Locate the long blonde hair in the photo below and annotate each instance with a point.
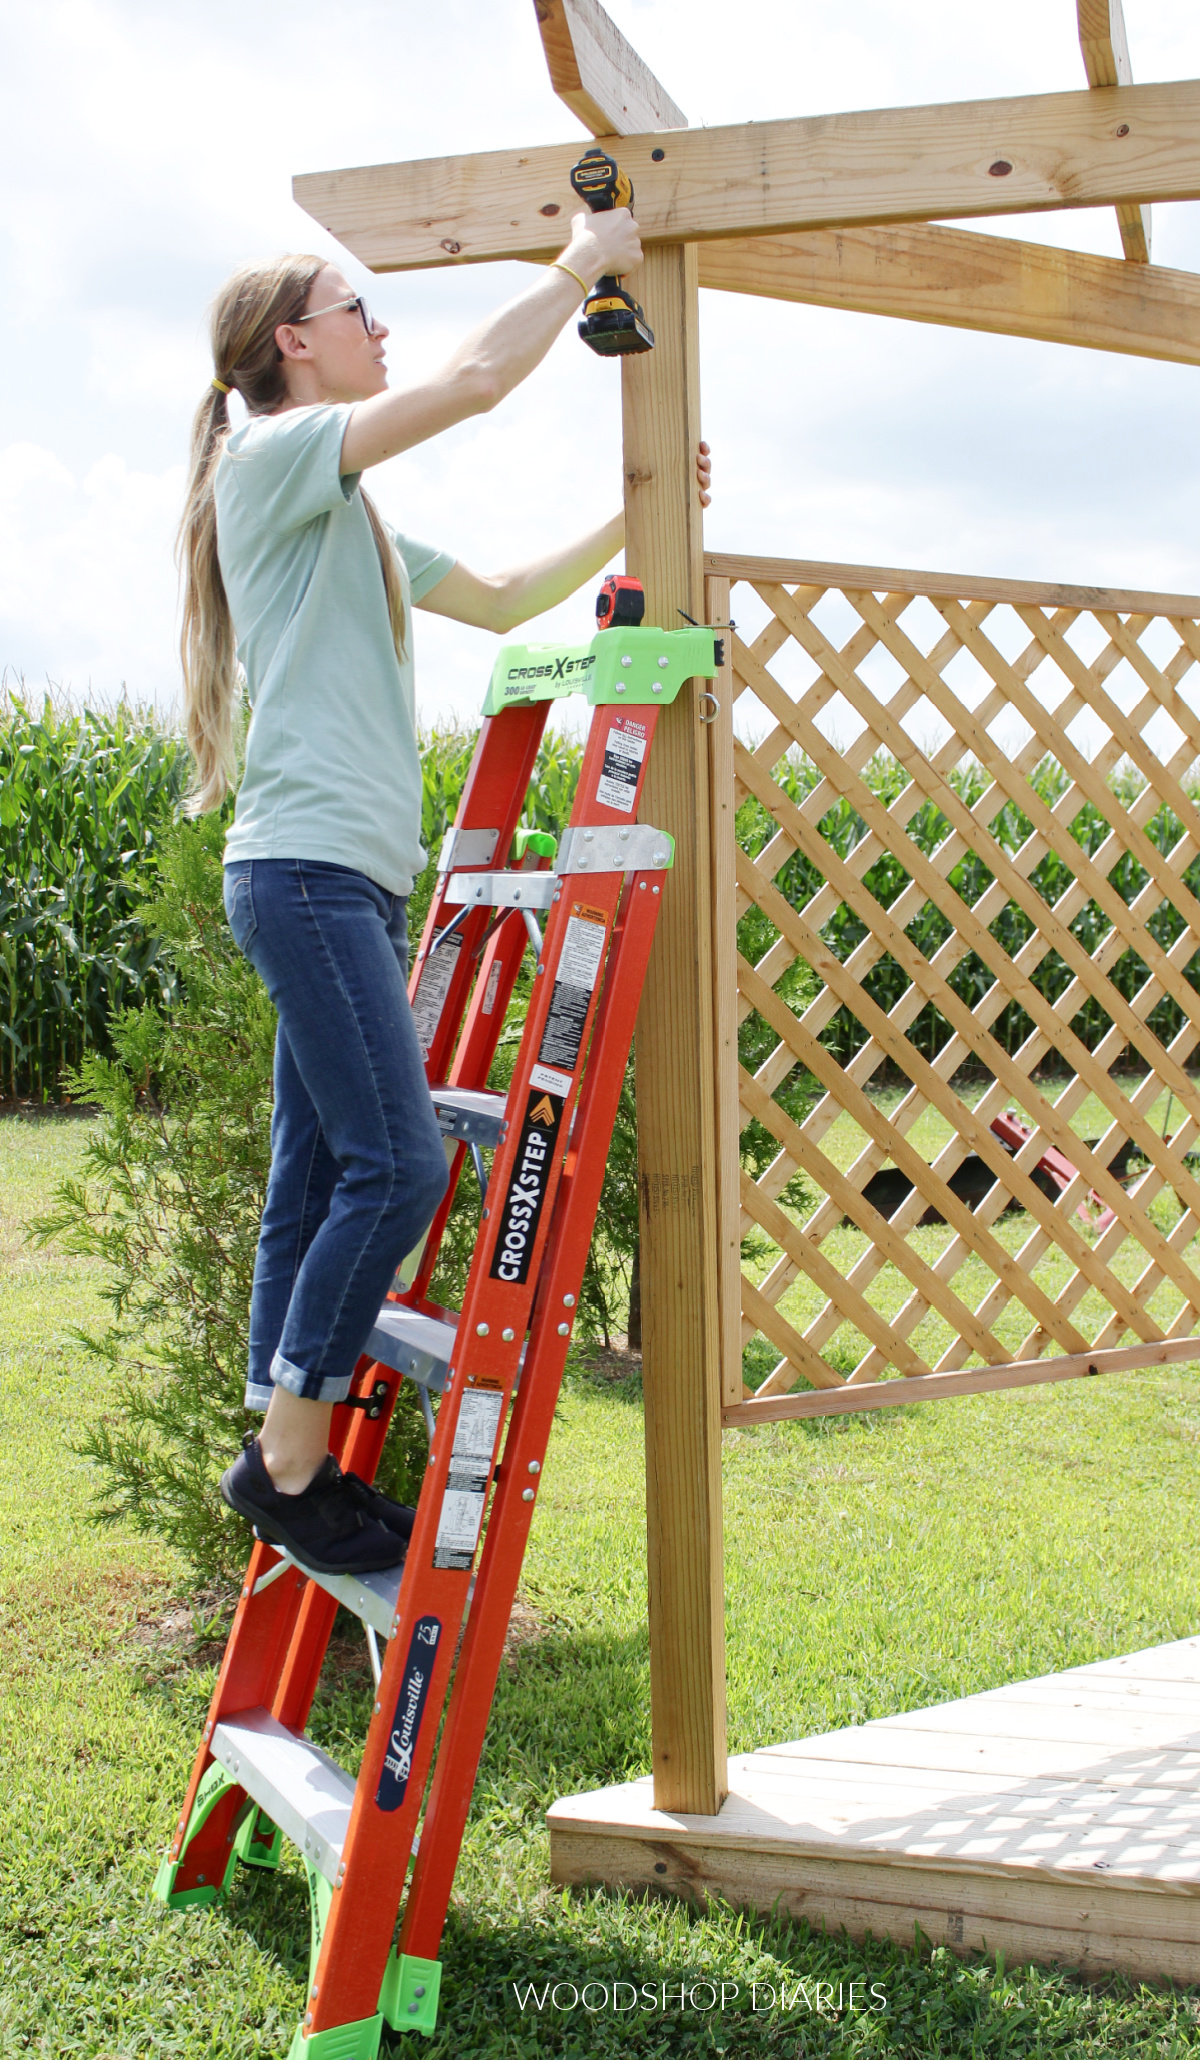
(245, 315)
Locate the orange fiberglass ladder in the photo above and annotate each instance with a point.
(494, 1369)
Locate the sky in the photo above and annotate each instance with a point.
(149, 148)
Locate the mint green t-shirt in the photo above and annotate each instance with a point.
(332, 766)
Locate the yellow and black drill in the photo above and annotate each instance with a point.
(613, 324)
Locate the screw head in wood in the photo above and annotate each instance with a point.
(508, 1336)
(564, 1330)
(568, 1301)
(526, 1496)
(481, 1330)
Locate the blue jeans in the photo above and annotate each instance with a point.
(357, 1162)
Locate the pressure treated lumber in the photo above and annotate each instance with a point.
(964, 586)
(676, 1113)
(1055, 1819)
(979, 1380)
(1105, 50)
(598, 74)
(950, 276)
(965, 280)
(1088, 149)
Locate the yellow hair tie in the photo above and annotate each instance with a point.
(221, 386)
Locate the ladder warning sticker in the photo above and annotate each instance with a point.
(578, 971)
(489, 993)
(410, 1708)
(522, 1210)
(432, 989)
(624, 750)
(467, 1482)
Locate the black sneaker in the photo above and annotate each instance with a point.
(397, 1516)
(325, 1527)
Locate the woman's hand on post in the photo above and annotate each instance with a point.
(603, 243)
(704, 473)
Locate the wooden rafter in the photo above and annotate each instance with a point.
(1105, 50)
(965, 280)
(955, 277)
(598, 75)
(1055, 150)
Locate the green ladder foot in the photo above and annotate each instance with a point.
(409, 1996)
(358, 2041)
(259, 1842)
(212, 1789)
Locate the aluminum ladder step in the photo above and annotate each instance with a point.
(421, 1347)
(372, 1598)
(470, 1114)
(301, 1789)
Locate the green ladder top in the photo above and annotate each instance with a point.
(627, 664)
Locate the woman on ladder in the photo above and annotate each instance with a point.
(290, 574)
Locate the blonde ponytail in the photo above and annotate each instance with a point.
(245, 315)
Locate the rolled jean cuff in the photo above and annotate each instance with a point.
(257, 1396)
(330, 1388)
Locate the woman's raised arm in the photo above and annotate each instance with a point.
(498, 355)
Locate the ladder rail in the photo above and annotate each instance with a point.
(532, 1419)
(432, 1600)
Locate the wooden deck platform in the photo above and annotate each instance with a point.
(1056, 1820)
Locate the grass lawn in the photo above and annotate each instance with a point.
(873, 1565)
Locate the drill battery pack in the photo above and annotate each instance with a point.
(613, 324)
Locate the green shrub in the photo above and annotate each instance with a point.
(83, 799)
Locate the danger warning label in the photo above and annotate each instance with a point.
(432, 989)
(467, 1482)
(578, 971)
(624, 750)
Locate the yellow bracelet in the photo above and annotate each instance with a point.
(557, 265)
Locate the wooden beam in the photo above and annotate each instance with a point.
(598, 74)
(979, 1380)
(918, 274)
(989, 157)
(890, 579)
(675, 1087)
(968, 281)
(1105, 50)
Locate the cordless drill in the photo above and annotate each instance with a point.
(613, 324)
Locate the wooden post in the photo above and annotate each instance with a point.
(675, 1082)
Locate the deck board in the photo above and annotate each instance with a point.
(1056, 1819)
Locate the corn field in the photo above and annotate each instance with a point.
(82, 796)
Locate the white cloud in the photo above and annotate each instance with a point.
(92, 556)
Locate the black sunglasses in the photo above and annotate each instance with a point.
(355, 301)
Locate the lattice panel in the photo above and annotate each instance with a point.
(968, 917)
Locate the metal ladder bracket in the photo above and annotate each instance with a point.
(467, 847)
(614, 848)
